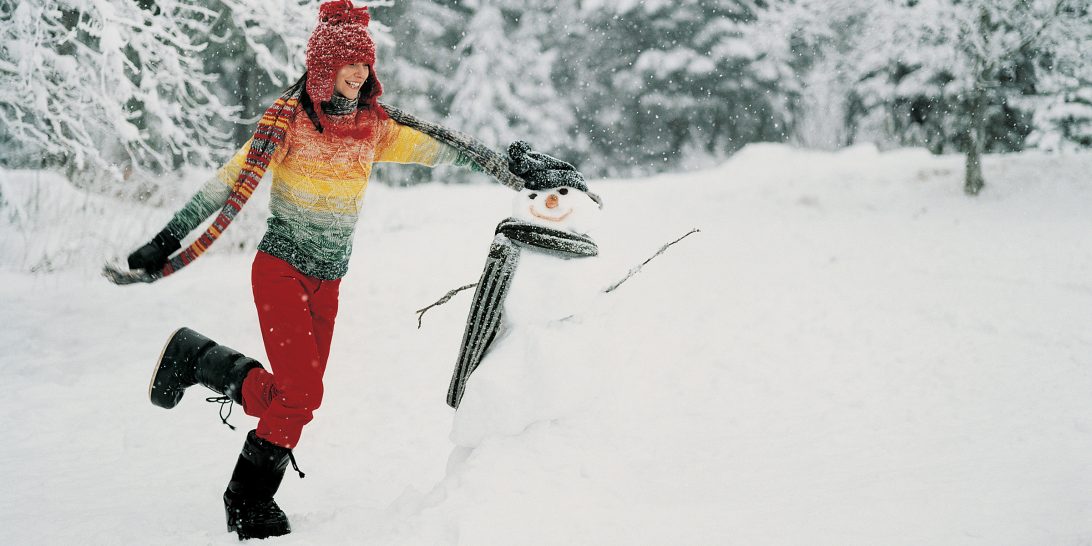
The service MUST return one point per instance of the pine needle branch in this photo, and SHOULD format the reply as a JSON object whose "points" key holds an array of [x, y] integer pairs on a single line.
{"points": [[450, 294], [637, 269]]}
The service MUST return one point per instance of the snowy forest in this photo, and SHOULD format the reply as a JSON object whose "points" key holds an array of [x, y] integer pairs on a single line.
{"points": [[115, 93]]}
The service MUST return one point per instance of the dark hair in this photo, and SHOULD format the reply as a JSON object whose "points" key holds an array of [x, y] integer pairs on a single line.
{"points": [[309, 106]]}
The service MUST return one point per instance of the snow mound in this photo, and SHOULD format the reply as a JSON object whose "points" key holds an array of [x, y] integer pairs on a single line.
{"points": [[851, 351]]}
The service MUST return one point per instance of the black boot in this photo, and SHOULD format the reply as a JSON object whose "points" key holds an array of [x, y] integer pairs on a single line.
{"points": [[190, 358], [251, 510]]}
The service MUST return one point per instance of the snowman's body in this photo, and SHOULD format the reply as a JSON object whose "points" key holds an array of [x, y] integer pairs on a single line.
{"points": [[525, 375], [546, 288]]}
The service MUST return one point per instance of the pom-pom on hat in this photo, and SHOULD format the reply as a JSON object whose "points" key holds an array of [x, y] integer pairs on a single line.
{"points": [[541, 171], [340, 38]]}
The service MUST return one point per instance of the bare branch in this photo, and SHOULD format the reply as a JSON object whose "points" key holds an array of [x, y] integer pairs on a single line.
{"points": [[637, 269], [451, 293], [441, 301]]}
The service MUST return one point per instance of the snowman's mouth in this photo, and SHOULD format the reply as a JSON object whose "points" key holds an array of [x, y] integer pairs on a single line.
{"points": [[538, 214]]}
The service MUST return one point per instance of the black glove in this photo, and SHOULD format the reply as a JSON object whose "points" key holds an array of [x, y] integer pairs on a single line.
{"points": [[153, 256]]}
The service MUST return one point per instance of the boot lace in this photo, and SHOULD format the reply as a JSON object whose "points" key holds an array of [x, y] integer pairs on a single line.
{"points": [[292, 459], [227, 401], [223, 401]]}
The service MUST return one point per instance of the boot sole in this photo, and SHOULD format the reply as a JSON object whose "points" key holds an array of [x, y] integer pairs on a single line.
{"points": [[243, 534], [159, 366]]}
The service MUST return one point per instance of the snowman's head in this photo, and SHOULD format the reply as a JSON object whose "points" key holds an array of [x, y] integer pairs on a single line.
{"points": [[555, 194], [564, 208]]}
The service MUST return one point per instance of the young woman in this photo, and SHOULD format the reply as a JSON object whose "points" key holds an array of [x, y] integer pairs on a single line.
{"points": [[319, 140]]}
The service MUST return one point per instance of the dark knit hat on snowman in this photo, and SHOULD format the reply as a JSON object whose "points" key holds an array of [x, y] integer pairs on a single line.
{"points": [[541, 171], [341, 38]]}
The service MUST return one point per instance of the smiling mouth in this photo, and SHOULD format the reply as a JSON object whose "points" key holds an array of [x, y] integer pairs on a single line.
{"points": [[538, 214], [354, 85]]}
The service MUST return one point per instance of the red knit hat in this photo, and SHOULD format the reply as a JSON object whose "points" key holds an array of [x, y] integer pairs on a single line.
{"points": [[340, 38]]}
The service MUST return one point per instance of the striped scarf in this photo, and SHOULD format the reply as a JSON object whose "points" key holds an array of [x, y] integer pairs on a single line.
{"points": [[270, 134], [484, 320]]}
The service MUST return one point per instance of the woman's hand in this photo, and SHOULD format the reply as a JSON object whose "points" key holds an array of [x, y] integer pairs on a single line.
{"points": [[153, 256]]}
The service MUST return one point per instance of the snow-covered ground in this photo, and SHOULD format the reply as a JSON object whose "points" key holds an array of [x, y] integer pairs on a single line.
{"points": [[851, 352]]}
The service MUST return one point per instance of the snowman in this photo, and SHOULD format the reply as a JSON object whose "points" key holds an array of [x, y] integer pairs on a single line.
{"points": [[542, 273]]}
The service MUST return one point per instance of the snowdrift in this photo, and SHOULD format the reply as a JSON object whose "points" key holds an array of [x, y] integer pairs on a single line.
{"points": [[850, 352]]}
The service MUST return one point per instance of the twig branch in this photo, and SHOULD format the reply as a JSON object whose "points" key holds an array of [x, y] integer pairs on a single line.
{"points": [[441, 301], [451, 293], [637, 269]]}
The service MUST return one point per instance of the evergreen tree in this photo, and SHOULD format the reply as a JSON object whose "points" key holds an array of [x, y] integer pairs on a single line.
{"points": [[957, 73], [1063, 115], [660, 78], [1063, 96], [818, 40], [416, 60], [419, 57], [502, 89]]}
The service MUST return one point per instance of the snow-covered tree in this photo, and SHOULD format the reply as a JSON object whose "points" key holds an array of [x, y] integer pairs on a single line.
{"points": [[255, 48], [1063, 117], [818, 39], [654, 81], [418, 57], [1063, 96], [107, 87], [502, 89], [962, 70]]}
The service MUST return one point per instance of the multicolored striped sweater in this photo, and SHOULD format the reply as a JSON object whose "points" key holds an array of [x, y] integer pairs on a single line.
{"points": [[318, 189]]}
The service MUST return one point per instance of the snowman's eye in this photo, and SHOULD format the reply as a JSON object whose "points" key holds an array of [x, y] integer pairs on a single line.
{"points": [[533, 195], [563, 191]]}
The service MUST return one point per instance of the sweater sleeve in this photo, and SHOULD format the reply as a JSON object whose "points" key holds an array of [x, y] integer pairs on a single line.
{"points": [[212, 196], [403, 144]]}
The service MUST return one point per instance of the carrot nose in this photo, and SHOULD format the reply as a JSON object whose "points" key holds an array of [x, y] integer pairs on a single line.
{"points": [[551, 201]]}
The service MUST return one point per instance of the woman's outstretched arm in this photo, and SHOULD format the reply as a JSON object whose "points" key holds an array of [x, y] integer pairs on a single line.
{"points": [[409, 139]]}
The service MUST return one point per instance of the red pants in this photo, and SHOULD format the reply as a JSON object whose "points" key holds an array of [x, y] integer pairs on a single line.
{"points": [[296, 313]]}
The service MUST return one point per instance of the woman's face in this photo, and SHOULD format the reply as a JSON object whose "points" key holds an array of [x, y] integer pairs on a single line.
{"points": [[350, 78]]}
